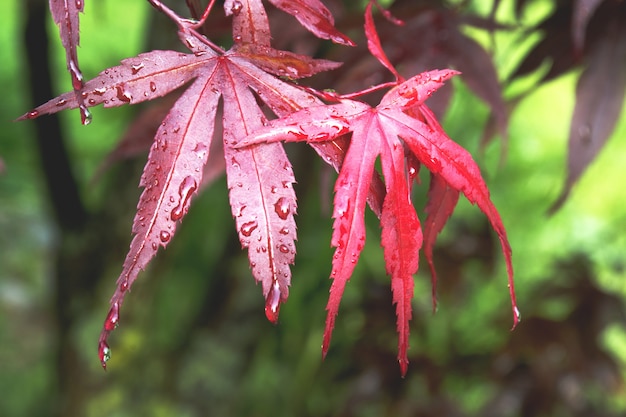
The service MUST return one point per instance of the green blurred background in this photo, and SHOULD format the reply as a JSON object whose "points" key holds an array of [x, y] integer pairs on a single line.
{"points": [[194, 340]]}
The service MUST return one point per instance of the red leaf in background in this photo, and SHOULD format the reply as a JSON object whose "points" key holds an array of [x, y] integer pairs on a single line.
{"points": [[376, 132], [314, 16], [442, 200], [443, 43], [373, 43], [65, 15]]}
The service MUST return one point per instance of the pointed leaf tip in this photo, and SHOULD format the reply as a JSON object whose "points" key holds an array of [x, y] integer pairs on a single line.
{"points": [[404, 366], [517, 317]]}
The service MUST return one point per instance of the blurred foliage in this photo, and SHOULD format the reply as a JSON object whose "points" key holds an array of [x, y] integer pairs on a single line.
{"points": [[195, 341]]}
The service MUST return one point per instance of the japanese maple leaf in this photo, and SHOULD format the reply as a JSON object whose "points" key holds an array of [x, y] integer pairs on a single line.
{"points": [[259, 178], [400, 124]]}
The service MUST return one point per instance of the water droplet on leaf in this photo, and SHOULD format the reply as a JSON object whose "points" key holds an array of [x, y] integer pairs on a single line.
{"points": [[200, 150], [165, 236], [248, 228], [152, 86], [123, 94], [113, 317], [186, 189], [136, 68], [282, 208]]}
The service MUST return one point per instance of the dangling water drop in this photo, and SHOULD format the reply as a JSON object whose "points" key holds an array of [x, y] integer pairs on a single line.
{"points": [[104, 353], [272, 303], [85, 115], [186, 189], [282, 208]]}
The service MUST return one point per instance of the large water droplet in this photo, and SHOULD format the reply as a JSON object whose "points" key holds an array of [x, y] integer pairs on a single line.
{"points": [[152, 86], [186, 189], [248, 228], [113, 317], [165, 236], [282, 208], [272, 303], [32, 114], [104, 353], [123, 94]]}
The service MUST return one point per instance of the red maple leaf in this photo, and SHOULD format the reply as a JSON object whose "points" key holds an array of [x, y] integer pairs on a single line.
{"points": [[388, 132], [259, 178]]}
